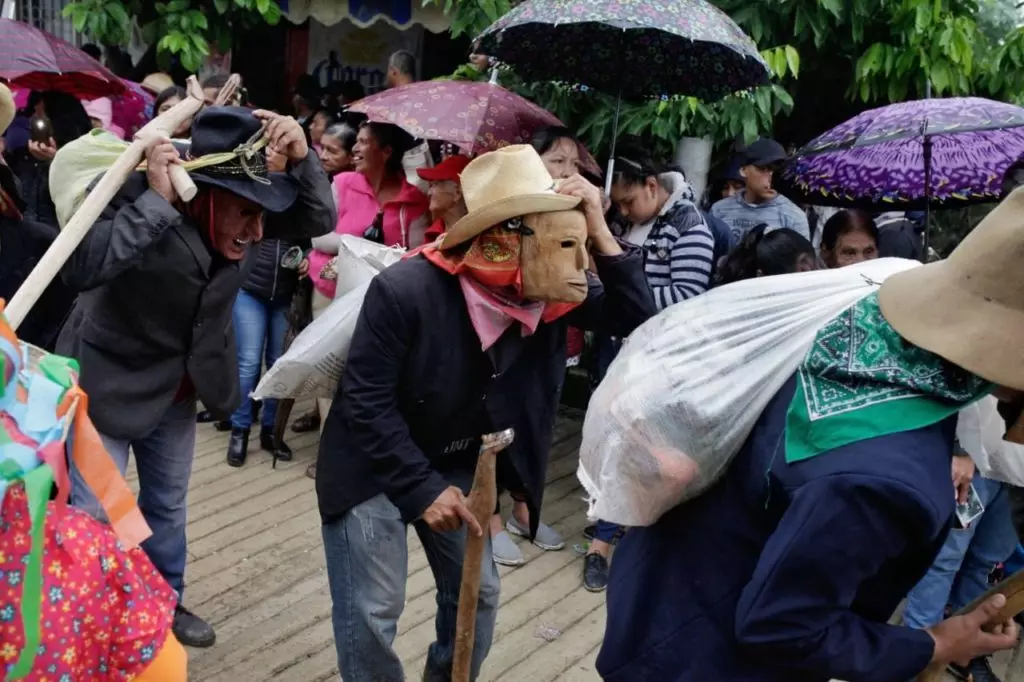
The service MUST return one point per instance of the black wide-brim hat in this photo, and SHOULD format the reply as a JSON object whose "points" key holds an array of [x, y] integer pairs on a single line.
{"points": [[218, 130]]}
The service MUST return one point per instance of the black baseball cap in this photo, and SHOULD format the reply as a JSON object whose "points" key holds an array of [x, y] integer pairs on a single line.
{"points": [[764, 153]]}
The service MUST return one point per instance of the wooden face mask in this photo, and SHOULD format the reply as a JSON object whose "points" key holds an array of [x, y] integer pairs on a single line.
{"points": [[554, 257]]}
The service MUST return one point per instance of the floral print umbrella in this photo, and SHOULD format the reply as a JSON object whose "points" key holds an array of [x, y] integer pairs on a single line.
{"points": [[638, 49], [478, 117], [912, 155]]}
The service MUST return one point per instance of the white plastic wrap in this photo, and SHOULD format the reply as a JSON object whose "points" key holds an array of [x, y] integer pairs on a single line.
{"points": [[980, 430], [687, 387], [312, 365]]}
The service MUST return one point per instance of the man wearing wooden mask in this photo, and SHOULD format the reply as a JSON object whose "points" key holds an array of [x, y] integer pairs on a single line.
{"points": [[463, 338]]}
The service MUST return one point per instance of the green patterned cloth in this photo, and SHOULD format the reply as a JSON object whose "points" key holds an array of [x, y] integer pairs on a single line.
{"points": [[861, 380]]}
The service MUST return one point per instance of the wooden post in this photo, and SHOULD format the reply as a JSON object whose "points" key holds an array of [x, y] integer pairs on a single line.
{"points": [[105, 190], [482, 499]]}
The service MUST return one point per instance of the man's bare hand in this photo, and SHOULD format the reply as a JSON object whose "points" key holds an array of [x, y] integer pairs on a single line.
{"points": [[449, 511], [160, 156], [285, 135], [962, 638], [963, 474]]}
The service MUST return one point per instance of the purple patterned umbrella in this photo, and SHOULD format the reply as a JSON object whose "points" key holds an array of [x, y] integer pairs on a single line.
{"points": [[637, 49], [912, 155]]}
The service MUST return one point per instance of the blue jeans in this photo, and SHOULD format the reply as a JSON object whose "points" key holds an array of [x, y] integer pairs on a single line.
{"points": [[164, 461], [260, 326], [367, 568], [961, 570]]}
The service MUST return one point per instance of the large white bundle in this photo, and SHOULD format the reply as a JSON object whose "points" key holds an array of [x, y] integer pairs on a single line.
{"points": [[313, 364], [687, 387], [980, 430]]}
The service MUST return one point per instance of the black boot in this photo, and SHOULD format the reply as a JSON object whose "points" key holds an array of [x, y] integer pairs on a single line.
{"points": [[191, 630], [282, 451], [238, 447], [222, 426]]}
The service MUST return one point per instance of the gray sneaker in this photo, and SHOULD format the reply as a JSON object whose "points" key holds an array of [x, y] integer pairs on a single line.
{"points": [[547, 538], [505, 550]]}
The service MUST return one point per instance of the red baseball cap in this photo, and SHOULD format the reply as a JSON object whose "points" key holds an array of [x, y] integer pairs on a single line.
{"points": [[449, 169]]}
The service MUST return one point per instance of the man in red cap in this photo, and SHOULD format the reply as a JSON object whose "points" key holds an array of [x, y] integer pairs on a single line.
{"points": [[445, 192]]}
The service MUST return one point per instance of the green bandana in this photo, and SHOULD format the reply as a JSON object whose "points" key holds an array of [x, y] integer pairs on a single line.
{"points": [[861, 380]]}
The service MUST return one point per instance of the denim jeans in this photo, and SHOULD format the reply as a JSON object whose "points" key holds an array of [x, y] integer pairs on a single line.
{"points": [[260, 326], [960, 572], [367, 568], [164, 461]]}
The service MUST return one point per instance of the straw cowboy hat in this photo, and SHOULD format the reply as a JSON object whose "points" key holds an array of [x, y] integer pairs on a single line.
{"points": [[7, 108], [8, 184], [969, 308], [157, 82], [501, 185]]}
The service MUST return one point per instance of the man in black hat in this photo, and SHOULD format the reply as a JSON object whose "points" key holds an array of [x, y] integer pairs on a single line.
{"points": [[758, 202], [152, 324]]}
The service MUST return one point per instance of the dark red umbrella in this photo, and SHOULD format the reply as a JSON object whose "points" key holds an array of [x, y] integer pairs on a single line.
{"points": [[479, 117], [37, 60]]}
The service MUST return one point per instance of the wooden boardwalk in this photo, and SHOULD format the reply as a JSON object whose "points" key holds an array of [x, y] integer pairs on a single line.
{"points": [[256, 571]]}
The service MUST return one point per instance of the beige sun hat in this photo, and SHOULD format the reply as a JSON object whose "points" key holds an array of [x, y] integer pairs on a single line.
{"points": [[969, 308], [157, 82], [7, 108], [501, 185]]}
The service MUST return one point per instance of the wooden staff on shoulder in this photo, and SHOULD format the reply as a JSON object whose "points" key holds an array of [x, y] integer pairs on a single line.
{"points": [[106, 189], [483, 497]]}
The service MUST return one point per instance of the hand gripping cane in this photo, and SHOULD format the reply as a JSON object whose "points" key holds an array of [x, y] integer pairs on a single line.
{"points": [[483, 497]]}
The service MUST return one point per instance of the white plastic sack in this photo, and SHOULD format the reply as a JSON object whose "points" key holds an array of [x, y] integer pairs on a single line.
{"points": [[687, 387], [359, 260], [312, 365], [980, 430]]}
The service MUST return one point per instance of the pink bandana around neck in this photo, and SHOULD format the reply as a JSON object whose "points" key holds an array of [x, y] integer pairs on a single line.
{"points": [[491, 316]]}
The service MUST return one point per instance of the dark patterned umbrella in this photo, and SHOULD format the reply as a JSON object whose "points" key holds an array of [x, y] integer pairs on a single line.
{"points": [[34, 59], [912, 155], [479, 117], [637, 49]]}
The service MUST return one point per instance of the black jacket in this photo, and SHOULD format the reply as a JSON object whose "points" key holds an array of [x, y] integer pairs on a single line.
{"points": [[267, 279], [418, 392], [155, 303]]}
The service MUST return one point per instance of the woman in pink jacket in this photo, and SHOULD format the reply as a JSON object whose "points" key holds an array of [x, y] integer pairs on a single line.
{"points": [[374, 202]]}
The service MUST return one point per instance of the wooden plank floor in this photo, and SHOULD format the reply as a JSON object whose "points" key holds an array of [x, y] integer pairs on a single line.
{"points": [[256, 572]]}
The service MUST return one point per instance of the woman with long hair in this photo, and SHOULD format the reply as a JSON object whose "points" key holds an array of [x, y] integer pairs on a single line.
{"points": [[762, 253]]}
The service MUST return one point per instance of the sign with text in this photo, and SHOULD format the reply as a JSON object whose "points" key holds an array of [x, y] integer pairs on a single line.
{"points": [[344, 52]]}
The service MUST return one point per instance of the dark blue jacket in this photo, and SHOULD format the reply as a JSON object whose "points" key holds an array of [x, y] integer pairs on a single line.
{"points": [[418, 392], [785, 573]]}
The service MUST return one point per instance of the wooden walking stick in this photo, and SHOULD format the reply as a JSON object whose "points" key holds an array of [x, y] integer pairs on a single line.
{"points": [[1013, 589], [105, 190], [483, 497]]}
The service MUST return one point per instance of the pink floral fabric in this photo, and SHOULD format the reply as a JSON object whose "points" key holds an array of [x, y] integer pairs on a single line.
{"points": [[106, 612]]}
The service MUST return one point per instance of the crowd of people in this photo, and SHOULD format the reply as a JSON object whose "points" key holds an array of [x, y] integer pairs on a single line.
{"points": [[167, 304]]}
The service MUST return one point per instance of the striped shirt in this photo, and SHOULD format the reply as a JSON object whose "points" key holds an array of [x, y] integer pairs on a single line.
{"points": [[678, 247]]}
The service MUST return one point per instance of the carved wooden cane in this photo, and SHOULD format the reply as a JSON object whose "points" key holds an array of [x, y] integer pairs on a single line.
{"points": [[483, 497], [1013, 589]]}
